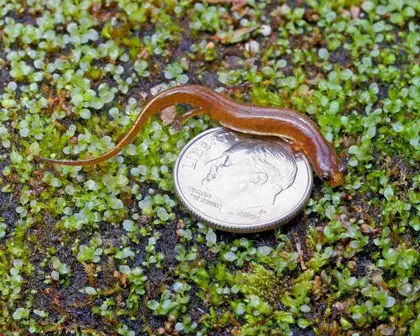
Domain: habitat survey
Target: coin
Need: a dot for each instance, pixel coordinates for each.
(240, 183)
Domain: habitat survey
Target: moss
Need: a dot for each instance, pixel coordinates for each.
(108, 250)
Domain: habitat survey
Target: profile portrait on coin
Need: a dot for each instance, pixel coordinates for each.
(251, 174)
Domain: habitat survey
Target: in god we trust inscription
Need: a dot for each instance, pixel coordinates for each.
(240, 183)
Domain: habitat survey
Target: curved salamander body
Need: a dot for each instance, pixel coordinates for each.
(270, 121)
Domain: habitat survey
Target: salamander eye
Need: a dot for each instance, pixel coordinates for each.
(326, 176)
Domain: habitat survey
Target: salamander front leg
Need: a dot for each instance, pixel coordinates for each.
(180, 120)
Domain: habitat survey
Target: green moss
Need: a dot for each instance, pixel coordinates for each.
(108, 249)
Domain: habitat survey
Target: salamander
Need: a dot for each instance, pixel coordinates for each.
(302, 133)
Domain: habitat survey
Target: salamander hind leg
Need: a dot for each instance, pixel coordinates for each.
(180, 120)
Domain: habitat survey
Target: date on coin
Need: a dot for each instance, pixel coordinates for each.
(239, 183)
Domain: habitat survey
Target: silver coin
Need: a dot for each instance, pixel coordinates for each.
(239, 183)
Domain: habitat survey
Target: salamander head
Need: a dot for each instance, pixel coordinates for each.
(335, 177)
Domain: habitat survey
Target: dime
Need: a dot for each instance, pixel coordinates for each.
(239, 183)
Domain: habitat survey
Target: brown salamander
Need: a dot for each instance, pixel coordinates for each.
(302, 133)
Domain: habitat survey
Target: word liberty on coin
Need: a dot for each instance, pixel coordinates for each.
(237, 183)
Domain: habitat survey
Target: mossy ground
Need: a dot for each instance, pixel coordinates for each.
(107, 250)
